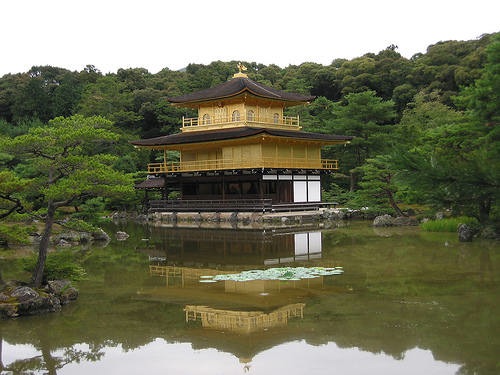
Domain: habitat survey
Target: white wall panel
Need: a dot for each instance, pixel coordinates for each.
(300, 191)
(315, 242)
(301, 243)
(314, 191)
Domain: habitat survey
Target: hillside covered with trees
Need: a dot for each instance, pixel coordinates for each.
(426, 128)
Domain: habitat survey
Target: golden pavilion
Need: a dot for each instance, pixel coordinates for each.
(241, 153)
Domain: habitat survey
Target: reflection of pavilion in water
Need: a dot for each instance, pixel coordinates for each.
(253, 305)
(195, 247)
(243, 321)
(181, 256)
(182, 277)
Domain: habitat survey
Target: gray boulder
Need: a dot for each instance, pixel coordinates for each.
(121, 236)
(101, 235)
(383, 221)
(24, 294)
(489, 232)
(4, 297)
(63, 290)
(64, 243)
(404, 221)
(465, 233)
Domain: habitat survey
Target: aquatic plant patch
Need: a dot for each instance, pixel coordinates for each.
(282, 273)
(448, 224)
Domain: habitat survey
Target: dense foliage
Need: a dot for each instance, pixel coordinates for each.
(65, 163)
(426, 128)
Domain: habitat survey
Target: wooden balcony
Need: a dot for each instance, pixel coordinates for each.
(284, 122)
(229, 205)
(227, 164)
(233, 205)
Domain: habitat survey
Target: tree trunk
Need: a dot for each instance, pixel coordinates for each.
(1, 349)
(393, 204)
(50, 361)
(37, 277)
(484, 210)
(353, 181)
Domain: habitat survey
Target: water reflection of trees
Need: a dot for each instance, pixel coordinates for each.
(46, 361)
(406, 295)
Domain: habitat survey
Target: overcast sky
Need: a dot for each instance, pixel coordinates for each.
(155, 34)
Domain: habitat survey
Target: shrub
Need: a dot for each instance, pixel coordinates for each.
(91, 210)
(15, 234)
(174, 195)
(61, 265)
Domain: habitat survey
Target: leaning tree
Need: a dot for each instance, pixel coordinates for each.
(69, 163)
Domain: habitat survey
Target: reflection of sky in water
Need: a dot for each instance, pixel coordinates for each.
(294, 358)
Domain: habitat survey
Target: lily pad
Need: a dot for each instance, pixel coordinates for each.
(283, 273)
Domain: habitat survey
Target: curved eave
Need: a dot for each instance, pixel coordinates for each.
(237, 87)
(196, 103)
(180, 140)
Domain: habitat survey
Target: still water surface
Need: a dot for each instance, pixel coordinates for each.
(407, 303)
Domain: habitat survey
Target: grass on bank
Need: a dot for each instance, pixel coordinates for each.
(447, 224)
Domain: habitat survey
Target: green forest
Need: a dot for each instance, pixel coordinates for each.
(426, 130)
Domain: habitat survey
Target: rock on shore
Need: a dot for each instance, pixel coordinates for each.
(465, 233)
(389, 221)
(17, 299)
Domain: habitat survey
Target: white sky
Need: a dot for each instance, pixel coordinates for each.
(154, 34)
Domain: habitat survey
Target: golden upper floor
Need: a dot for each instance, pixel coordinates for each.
(242, 148)
(240, 102)
(237, 115)
(241, 125)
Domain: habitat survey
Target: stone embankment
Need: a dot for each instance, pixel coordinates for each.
(390, 221)
(288, 218)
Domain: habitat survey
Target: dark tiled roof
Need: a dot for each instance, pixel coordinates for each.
(234, 133)
(151, 183)
(237, 86)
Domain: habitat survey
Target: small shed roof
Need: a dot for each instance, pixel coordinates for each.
(151, 183)
(237, 86)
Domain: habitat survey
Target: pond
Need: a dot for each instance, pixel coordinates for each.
(400, 301)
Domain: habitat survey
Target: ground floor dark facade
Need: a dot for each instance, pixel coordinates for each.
(242, 188)
(278, 186)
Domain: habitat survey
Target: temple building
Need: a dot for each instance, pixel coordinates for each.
(241, 152)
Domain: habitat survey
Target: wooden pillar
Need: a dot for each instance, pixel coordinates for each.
(145, 202)
(223, 188)
(164, 191)
(261, 186)
(278, 189)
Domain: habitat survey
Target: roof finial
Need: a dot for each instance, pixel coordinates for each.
(241, 69)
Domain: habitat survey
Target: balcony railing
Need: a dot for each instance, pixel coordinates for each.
(225, 164)
(283, 122)
(219, 205)
(211, 205)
